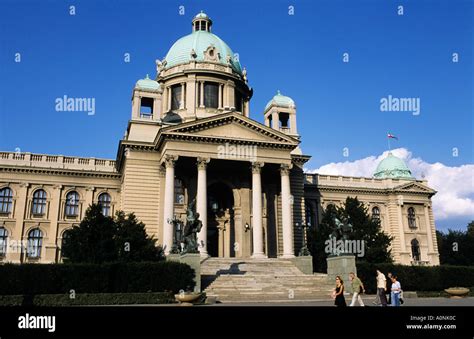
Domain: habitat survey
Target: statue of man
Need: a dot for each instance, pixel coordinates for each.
(192, 228)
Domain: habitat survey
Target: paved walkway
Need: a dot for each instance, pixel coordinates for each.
(367, 300)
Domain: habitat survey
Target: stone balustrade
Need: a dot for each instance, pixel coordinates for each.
(347, 181)
(56, 161)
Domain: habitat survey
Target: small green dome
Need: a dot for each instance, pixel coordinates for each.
(281, 101)
(392, 167)
(147, 84)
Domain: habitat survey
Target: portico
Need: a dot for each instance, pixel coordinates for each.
(235, 195)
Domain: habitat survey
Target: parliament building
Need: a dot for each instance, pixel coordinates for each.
(190, 136)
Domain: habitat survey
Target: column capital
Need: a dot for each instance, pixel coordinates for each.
(285, 169)
(170, 160)
(257, 167)
(202, 162)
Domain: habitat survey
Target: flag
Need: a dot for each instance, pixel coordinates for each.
(391, 136)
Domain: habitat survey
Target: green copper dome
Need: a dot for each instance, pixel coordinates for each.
(281, 101)
(192, 46)
(199, 41)
(147, 84)
(392, 167)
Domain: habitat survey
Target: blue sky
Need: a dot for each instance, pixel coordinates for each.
(338, 103)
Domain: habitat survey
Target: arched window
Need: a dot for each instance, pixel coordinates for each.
(35, 242)
(64, 240)
(3, 241)
(104, 202)
(6, 200)
(376, 213)
(415, 250)
(72, 204)
(39, 202)
(411, 217)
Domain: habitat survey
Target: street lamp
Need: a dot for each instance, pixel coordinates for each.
(304, 251)
(178, 230)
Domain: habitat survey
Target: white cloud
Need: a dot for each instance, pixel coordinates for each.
(455, 185)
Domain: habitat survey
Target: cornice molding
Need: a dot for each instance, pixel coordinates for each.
(55, 171)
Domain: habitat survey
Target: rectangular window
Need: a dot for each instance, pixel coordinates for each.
(238, 101)
(146, 108)
(211, 95)
(175, 97)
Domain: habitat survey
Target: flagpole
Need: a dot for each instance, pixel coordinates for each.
(388, 140)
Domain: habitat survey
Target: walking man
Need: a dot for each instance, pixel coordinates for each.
(357, 289)
(381, 288)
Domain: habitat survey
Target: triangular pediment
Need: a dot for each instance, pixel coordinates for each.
(229, 126)
(415, 187)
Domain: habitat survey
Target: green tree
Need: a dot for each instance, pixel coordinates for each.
(132, 241)
(93, 240)
(456, 247)
(100, 239)
(377, 243)
(470, 229)
(369, 230)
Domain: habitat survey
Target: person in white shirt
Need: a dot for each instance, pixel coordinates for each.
(381, 288)
(396, 290)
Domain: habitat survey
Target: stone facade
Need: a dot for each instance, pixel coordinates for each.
(190, 136)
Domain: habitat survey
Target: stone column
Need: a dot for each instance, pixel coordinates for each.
(246, 108)
(220, 95)
(230, 94)
(156, 108)
(168, 210)
(257, 225)
(293, 129)
(51, 247)
(201, 203)
(403, 244)
(168, 90)
(201, 99)
(226, 96)
(428, 231)
(191, 96)
(275, 121)
(287, 227)
(136, 105)
(181, 103)
(21, 205)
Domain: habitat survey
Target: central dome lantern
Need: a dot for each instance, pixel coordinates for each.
(201, 45)
(200, 76)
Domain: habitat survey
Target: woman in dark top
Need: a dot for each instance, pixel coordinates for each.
(339, 301)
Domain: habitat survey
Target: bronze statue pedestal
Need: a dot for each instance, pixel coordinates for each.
(193, 260)
(341, 265)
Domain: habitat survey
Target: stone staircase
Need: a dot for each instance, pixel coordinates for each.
(233, 280)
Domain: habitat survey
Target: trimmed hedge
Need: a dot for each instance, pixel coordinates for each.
(33, 279)
(418, 278)
(88, 299)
